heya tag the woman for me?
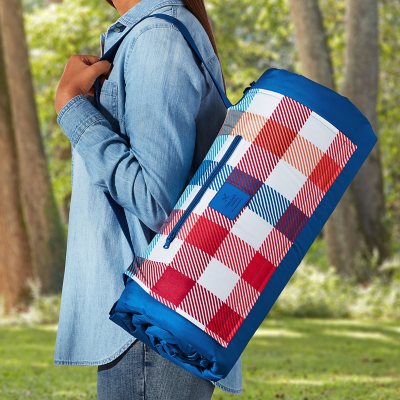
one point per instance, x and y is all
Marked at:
(159, 113)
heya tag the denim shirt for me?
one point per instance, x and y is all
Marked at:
(159, 114)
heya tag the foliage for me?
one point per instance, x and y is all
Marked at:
(380, 299)
(42, 309)
(389, 112)
(54, 33)
(46, 308)
(311, 292)
(317, 253)
(251, 36)
(316, 292)
(389, 94)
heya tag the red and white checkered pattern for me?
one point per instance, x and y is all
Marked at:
(215, 268)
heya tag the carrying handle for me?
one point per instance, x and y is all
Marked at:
(110, 54)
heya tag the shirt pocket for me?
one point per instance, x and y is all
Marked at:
(109, 103)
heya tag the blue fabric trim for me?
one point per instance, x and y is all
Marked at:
(204, 357)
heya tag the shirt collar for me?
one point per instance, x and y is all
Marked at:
(134, 14)
(140, 10)
(143, 8)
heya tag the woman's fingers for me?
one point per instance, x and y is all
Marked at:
(97, 69)
(79, 76)
(89, 59)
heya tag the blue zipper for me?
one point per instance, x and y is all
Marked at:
(196, 198)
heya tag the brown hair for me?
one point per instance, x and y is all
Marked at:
(198, 8)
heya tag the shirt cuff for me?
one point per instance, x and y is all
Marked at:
(76, 116)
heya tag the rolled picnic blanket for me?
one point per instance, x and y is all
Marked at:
(286, 153)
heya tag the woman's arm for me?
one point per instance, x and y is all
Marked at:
(164, 88)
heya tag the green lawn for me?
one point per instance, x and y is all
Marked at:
(300, 359)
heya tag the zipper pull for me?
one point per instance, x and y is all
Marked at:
(168, 241)
(249, 87)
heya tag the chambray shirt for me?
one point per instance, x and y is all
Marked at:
(159, 114)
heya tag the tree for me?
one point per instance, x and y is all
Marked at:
(15, 266)
(351, 232)
(361, 86)
(43, 227)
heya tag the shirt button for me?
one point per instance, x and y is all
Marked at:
(117, 29)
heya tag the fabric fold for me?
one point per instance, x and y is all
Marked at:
(171, 335)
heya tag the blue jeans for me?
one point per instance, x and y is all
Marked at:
(140, 373)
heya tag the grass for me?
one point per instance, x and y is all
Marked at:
(299, 359)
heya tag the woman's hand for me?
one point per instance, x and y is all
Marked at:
(78, 77)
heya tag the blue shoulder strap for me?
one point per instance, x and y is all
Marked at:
(109, 56)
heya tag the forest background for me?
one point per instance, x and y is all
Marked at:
(350, 278)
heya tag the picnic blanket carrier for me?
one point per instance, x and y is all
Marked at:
(282, 160)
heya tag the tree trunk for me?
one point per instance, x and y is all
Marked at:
(361, 76)
(15, 265)
(311, 43)
(43, 224)
(347, 246)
